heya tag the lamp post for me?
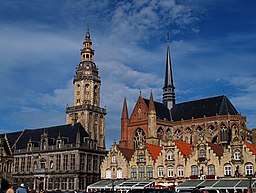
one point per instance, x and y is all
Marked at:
(250, 184)
(112, 183)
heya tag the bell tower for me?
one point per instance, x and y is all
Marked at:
(86, 109)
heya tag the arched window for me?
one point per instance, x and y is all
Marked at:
(149, 172)
(139, 138)
(108, 174)
(194, 170)
(141, 172)
(249, 169)
(202, 153)
(211, 170)
(224, 134)
(227, 170)
(170, 172)
(160, 133)
(95, 95)
(169, 131)
(134, 172)
(200, 130)
(86, 93)
(180, 171)
(160, 171)
(119, 173)
(177, 134)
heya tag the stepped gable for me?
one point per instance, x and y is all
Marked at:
(154, 150)
(219, 150)
(251, 147)
(127, 153)
(185, 148)
(162, 112)
(208, 107)
(66, 132)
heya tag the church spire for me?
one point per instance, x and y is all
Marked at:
(168, 89)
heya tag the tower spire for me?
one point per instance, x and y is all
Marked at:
(168, 89)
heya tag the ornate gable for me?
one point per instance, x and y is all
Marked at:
(140, 111)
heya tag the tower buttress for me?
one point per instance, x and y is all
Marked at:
(152, 139)
(168, 89)
(124, 122)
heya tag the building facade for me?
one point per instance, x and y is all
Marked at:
(169, 142)
(63, 157)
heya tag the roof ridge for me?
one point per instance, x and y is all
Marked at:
(202, 99)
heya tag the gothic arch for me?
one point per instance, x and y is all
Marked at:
(139, 137)
(160, 133)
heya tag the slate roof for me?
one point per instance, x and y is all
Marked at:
(162, 112)
(66, 132)
(11, 137)
(204, 107)
(154, 150)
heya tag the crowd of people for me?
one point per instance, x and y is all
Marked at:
(9, 188)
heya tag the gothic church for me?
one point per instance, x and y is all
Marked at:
(170, 142)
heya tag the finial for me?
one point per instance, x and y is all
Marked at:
(168, 37)
(87, 35)
(140, 92)
(88, 27)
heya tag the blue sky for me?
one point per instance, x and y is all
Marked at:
(213, 49)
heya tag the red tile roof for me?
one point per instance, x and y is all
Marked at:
(217, 149)
(183, 147)
(127, 153)
(154, 150)
(251, 147)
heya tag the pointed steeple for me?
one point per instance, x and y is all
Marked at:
(125, 110)
(151, 104)
(168, 89)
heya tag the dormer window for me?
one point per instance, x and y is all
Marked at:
(59, 144)
(29, 147)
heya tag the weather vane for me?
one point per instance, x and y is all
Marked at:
(168, 37)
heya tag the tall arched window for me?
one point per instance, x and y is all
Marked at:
(249, 169)
(227, 170)
(95, 95)
(139, 138)
(86, 93)
(119, 173)
(194, 170)
(224, 135)
(160, 133)
(180, 171)
(211, 170)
